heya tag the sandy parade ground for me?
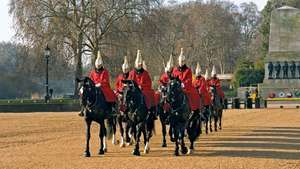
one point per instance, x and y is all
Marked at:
(262, 138)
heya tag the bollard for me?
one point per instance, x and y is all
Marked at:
(257, 103)
(236, 103)
(225, 104)
(249, 103)
(266, 103)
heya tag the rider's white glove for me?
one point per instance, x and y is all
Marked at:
(98, 84)
(182, 85)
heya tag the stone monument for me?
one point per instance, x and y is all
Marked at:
(282, 65)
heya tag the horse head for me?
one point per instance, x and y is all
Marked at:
(131, 92)
(174, 89)
(215, 96)
(87, 91)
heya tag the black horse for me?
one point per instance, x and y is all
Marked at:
(216, 109)
(206, 111)
(163, 109)
(123, 122)
(94, 108)
(141, 120)
(182, 118)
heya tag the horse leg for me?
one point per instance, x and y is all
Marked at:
(88, 136)
(146, 142)
(120, 122)
(128, 133)
(138, 132)
(207, 116)
(191, 148)
(102, 137)
(176, 153)
(206, 125)
(216, 122)
(220, 119)
(184, 150)
(164, 131)
(210, 122)
(113, 124)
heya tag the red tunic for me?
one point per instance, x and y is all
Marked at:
(102, 77)
(186, 78)
(216, 82)
(164, 79)
(201, 85)
(118, 84)
(144, 81)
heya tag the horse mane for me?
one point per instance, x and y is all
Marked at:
(89, 80)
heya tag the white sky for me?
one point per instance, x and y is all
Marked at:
(7, 32)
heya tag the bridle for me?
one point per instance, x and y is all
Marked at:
(91, 106)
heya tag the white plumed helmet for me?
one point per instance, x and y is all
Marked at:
(99, 61)
(181, 58)
(144, 65)
(206, 76)
(214, 71)
(138, 60)
(170, 64)
(125, 66)
(198, 70)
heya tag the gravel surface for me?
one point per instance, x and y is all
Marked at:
(250, 139)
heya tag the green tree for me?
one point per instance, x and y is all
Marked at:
(246, 74)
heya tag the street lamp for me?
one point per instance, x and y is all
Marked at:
(47, 55)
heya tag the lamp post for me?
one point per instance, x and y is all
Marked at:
(47, 55)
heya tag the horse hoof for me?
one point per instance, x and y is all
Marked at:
(172, 139)
(164, 144)
(146, 151)
(105, 150)
(114, 142)
(101, 152)
(136, 152)
(206, 132)
(176, 153)
(87, 154)
(122, 145)
(211, 130)
(184, 150)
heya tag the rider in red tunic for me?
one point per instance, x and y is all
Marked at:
(123, 76)
(100, 76)
(201, 85)
(163, 82)
(165, 77)
(184, 73)
(142, 78)
(215, 81)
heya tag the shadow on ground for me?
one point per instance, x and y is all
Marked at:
(254, 142)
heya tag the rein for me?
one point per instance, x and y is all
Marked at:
(93, 105)
(181, 107)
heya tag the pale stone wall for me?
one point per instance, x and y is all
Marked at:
(284, 45)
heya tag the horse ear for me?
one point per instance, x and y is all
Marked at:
(77, 80)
